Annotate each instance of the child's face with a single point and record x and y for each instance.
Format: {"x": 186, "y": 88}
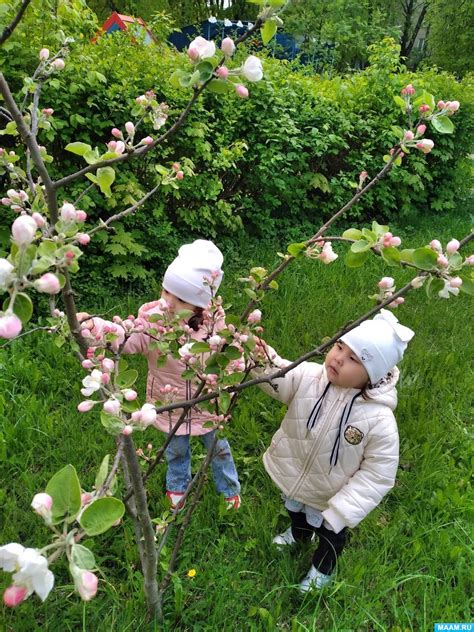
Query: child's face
{"x": 344, "y": 368}
{"x": 175, "y": 304}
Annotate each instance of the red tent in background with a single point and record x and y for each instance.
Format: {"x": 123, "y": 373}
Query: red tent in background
{"x": 119, "y": 22}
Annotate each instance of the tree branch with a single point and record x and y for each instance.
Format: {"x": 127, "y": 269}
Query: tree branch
{"x": 8, "y": 30}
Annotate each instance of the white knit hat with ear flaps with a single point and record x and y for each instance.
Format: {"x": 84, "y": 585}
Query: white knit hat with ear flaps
{"x": 379, "y": 343}
{"x": 185, "y": 276}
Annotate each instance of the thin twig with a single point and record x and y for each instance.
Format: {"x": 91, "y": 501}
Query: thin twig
{"x": 8, "y": 30}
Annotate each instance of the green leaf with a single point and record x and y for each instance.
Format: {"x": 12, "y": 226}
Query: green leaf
{"x": 113, "y": 425}
{"x": 83, "y": 557}
{"x": 105, "y": 177}
{"x": 352, "y": 233}
{"x": 443, "y": 124}
{"x": 356, "y": 259}
{"x": 23, "y": 307}
{"x": 100, "y": 515}
{"x": 391, "y": 256}
{"x": 379, "y": 229}
{"x": 433, "y": 286}
{"x": 268, "y": 30}
{"x": 92, "y": 156}
{"x": 407, "y": 255}
{"x": 177, "y": 77}
{"x": 296, "y": 249}
{"x": 78, "y": 148}
{"x": 251, "y": 293}
{"x": 205, "y": 69}
{"x": 467, "y": 285}
{"x": 126, "y": 379}
{"x": 224, "y": 402}
{"x": 200, "y": 347}
{"x": 360, "y": 246}
{"x": 369, "y": 235}
{"x": 424, "y": 258}
{"x": 400, "y": 102}
{"x": 23, "y": 259}
{"x": 232, "y": 353}
{"x": 102, "y": 473}
{"x": 65, "y": 490}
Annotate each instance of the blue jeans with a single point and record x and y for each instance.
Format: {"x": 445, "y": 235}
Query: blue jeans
{"x": 178, "y": 456}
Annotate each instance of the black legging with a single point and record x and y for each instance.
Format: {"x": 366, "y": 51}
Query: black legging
{"x": 330, "y": 546}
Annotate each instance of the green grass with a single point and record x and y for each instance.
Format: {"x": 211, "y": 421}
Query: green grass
{"x": 408, "y": 563}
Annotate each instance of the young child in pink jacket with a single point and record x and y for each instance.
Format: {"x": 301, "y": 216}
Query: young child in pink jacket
{"x": 335, "y": 455}
{"x": 185, "y": 287}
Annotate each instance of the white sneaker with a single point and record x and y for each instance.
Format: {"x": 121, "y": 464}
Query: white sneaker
{"x": 314, "y": 580}
{"x": 284, "y": 539}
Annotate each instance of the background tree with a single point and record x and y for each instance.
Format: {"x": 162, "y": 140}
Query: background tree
{"x": 451, "y": 35}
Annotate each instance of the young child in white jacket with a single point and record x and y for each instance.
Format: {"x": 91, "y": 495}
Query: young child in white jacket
{"x": 335, "y": 455}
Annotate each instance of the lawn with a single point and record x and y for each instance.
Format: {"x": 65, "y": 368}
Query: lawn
{"x": 408, "y": 563}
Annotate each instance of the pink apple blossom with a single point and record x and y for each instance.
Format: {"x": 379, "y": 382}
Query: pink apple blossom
{"x": 119, "y": 147}
{"x": 426, "y": 145}
{"x": 201, "y": 48}
{"x": 14, "y": 595}
{"x": 242, "y": 91}
{"x": 327, "y": 255}
{"x": 452, "y": 246}
{"x": 228, "y": 46}
{"x": 24, "y": 230}
{"x": 453, "y": 106}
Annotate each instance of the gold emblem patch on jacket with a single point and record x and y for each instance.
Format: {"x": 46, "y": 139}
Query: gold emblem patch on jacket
{"x": 353, "y": 435}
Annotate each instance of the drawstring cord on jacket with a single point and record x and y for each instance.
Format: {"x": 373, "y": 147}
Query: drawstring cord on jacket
{"x": 342, "y": 424}
{"x": 316, "y": 409}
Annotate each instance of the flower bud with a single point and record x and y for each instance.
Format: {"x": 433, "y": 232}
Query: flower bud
{"x": 424, "y": 108}
{"x": 469, "y": 260}
{"x": 452, "y": 246}
{"x": 83, "y": 238}
{"x": 127, "y": 430}
{"x": 10, "y": 325}
{"x": 420, "y": 130}
{"x": 417, "y": 282}
{"x": 6, "y": 201}
{"x": 81, "y": 216}
{"x": 129, "y": 394}
{"x": 42, "y": 504}
{"x": 86, "y": 405}
{"x": 44, "y": 54}
{"x": 222, "y": 72}
{"x": 14, "y": 596}
{"x": 116, "y": 132}
{"x": 119, "y": 147}
{"x": 442, "y": 261}
{"x": 426, "y": 145}
{"x": 242, "y": 91}
{"x": 39, "y": 219}
{"x": 255, "y": 316}
{"x": 441, "y": 105}
{"x": 108, "y": 364}
{"x": 48, "y": 283}
{"x": 228, "y": 46}
{"x": 130, "y": 128}
{"x": 68, "y": 212}
{"x": 112, "y": 406}
{"x": 455, "y": 282}
{"x": 86, "y": 584}
{"x": 193, "y": 53}
{"x": 453, "y": 106}
{"x": 409, "y": 135}
{"x": 58, "y": 63}
{"x": 386, "y": 282}
{"x": 48, "y": 111}
{"x": 24, "y": 230}
{"x": 146, "y": 141}
{"x": 179, "y": 175}
{"x": 435, "y": 244}
{"x": 87, "y": 364}
{"x": 395, "y": 241}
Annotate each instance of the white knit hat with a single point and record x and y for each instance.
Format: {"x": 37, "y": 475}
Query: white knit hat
{"x": 379, "y": 343}
{"x": 186, "y": 275}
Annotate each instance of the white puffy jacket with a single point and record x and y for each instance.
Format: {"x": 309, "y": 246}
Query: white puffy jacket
{"x": 299, "y": 459}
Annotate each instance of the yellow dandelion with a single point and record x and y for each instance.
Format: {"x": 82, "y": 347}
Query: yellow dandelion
{"x": 192, "y": 572}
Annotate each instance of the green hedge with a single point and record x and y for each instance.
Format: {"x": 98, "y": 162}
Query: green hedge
{"x": 278, "y": 162}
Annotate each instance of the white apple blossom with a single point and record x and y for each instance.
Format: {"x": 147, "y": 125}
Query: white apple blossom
{"x": 252, "y": 69}
{"x": 203, "y": 47}
{"x": 92, "y": 383}
{"x": 447, "y": 290}
{"x": 31, "y": 569}
{"x": 6, "y": 275}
